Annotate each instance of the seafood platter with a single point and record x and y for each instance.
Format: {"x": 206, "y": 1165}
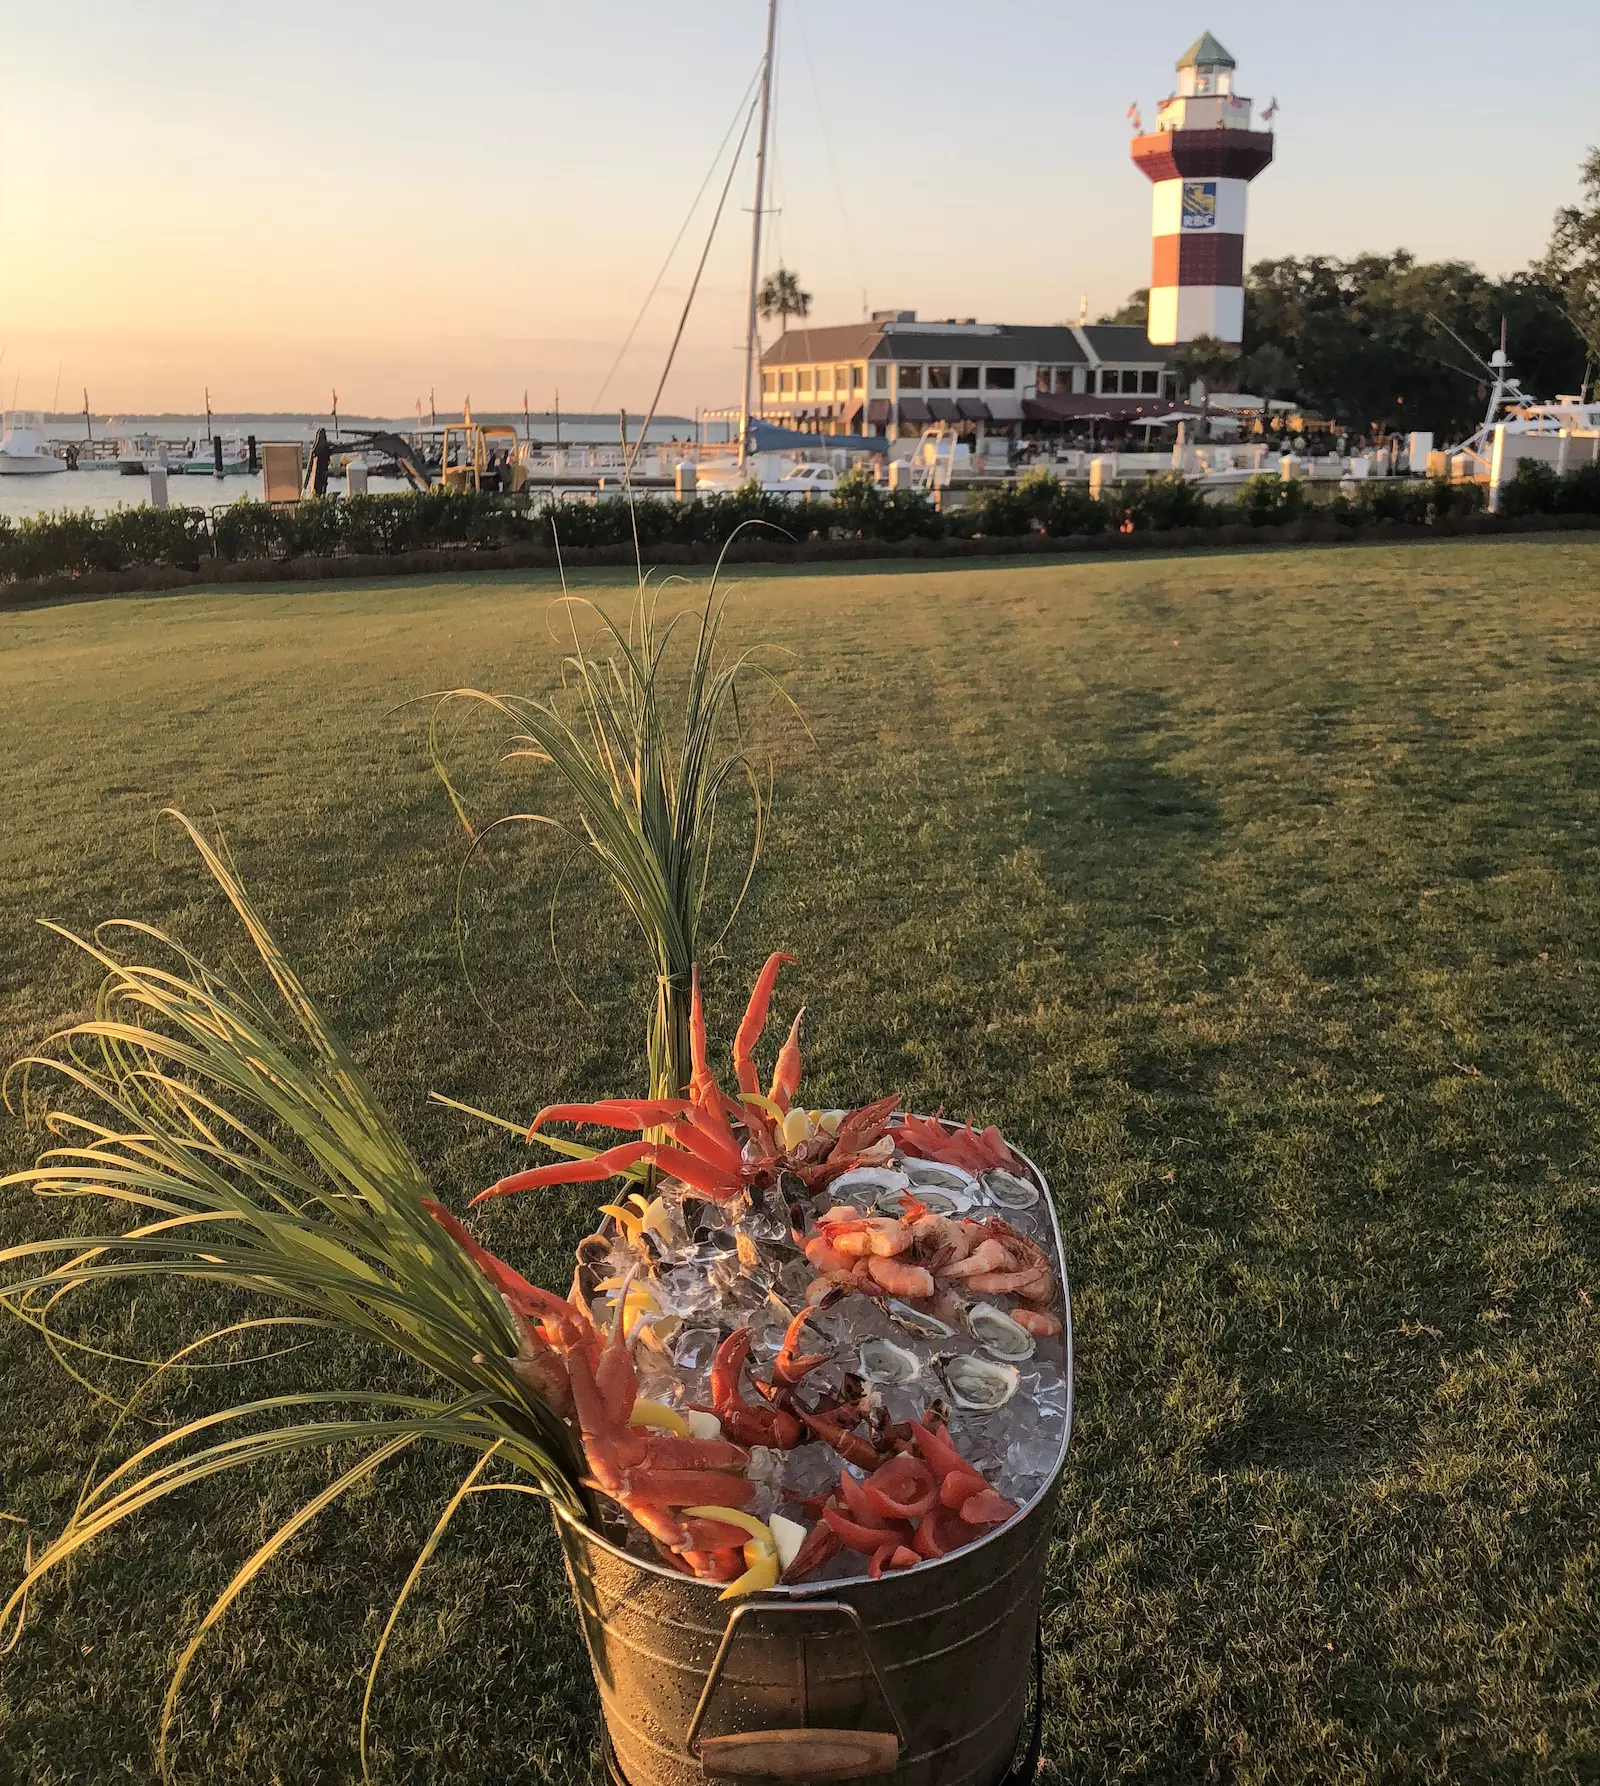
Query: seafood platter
{"x": 805, "y": 1345}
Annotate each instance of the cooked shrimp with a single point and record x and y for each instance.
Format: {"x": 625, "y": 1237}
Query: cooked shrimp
{"x": 822, "y": 1255}
{"x": 938, "y": 1237}
{"x": 1033, "y": 1285}
{"x": 991, "y": 1256}
{"x": 900, "y": 1278}
{"x": 1036, "y": 1322}
{"x": 880, "y": 1236}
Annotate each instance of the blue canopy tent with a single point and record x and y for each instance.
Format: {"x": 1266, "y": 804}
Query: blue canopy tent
{"x": 768, "y": 437}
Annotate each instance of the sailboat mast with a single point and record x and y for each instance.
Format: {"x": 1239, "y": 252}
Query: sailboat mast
{"x": 755, "y": 232}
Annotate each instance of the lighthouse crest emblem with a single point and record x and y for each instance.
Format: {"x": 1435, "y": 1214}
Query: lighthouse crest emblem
{"x": 1199, "y": 204}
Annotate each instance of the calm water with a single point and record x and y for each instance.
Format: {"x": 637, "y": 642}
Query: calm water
{"x": 100, "y": 489}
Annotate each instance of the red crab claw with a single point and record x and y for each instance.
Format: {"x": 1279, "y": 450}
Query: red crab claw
{"x": 786, "y": 1077}
{"x": 742, "y": 1423}
{"x": 786, "y": 1368}
{"x": 860, "y": 1128}
{"x": 849, "y": 1445}
{"x": 821, "y": 1543}
{"x": 755, "y": 1018}
{"x": 598, "y": 1166}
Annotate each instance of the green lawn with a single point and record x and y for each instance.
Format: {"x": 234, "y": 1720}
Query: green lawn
{"x": 1254, "y": 894}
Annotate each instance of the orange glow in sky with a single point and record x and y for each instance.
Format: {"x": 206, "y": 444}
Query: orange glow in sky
{"x": 474, "y": 199}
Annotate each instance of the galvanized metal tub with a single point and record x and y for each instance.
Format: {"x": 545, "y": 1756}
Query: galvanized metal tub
{"x": 920, "y": 1679}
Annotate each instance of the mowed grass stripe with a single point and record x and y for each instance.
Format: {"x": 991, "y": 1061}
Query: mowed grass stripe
{"x": 1254, "y": 894}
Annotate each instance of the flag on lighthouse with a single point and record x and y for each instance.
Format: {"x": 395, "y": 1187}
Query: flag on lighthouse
{"x": 1271, "y": 112}
{"x": 1132, "y": 115}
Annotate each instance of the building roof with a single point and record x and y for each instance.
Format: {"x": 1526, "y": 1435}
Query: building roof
{"x": 802, "y": 345}
{"x": 1206, "y": 52}
{"x": 1122, "y": 342}
{"x": 975, "y": 344}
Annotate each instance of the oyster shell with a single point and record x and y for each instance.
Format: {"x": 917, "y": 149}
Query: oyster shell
{"x": 1009, "y": 1191}
{"x": 882, "y": 1361}
{"x": 954, "y": 1181}
{"x": 916, "y": 1320}
{"x": 873, "y": 1182}
{"x": 998, "y": 1334}
{"x": 935, "y": 1202}
{"x": 979, "y": 1384}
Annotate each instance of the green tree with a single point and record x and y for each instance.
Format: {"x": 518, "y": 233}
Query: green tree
{"x": 1270, "y": 371}
{"x": 1135, "y": 309}
{"x": 1215, "y": 363}
{"x": 1571, "y": 264}
{"x": 780, "y": 296}
{"x": 1371, "y": 337}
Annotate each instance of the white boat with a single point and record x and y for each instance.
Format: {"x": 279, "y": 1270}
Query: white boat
{"x": 201, "y": 458}
{"x": 138, "y": 453}
{"x": 24, "y": 452}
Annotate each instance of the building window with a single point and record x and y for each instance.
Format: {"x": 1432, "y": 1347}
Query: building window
{"x": 825, "y": 381}
{"x": 1150, "y": 380}
{"x": 1110, "y": 381}
{"x": 880, "y": 378}
{"x": 805, "y": 380}
{"x": 841, "y": 379}
{"x": 910, "y": 378}
{"x": 1000, "y": 378}
{"x": 769, "y": 384}
{"x": 966, "y": 378}
{"x": 1063, "y": 378}
{"x": 858, "y": 378}
{"x": 1044, "y": 381}
{"x": 938, "y": 378}
{"x": 786, "y": 384}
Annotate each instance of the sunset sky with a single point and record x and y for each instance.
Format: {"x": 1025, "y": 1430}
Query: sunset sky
{"x": 276, "y": 200}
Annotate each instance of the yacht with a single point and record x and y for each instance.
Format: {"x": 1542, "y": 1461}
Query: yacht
{"x": 24, "y": 452}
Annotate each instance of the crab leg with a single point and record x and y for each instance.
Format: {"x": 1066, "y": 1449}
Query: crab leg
{"x": 711, "y": 1181}
{"x": 598, "y": 1166}
{"x": 613, "y": 1113}
{"x": 786, "y": 1078}
{"x": 755, "y": 1018}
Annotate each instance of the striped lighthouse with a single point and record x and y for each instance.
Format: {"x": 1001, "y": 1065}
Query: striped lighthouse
{"x": 1200, "y": 158}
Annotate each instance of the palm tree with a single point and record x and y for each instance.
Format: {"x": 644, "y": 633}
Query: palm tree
{"x": 780, "y": 296}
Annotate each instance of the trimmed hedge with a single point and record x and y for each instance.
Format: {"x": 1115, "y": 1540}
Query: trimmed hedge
{"x": 80, "y": 544}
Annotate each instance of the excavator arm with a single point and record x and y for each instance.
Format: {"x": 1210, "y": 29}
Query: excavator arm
{"x": 401, "y": 451}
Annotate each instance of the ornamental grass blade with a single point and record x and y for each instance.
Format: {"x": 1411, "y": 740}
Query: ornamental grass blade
{"x": 645, "y": 743}
{"x": 232, "y": 1140}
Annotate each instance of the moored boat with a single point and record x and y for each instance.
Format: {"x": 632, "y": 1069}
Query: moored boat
{"x": 24, "y": 451}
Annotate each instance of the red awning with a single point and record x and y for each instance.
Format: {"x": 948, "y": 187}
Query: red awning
{"x": 878, "y": 411}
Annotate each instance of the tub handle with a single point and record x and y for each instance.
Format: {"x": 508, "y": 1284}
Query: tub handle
{"x": 805, "y": 1753}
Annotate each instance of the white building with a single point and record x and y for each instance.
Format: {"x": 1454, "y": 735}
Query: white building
{"x": 897, "y": 374}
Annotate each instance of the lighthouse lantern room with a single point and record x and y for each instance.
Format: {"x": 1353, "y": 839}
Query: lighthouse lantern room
{"x": 1200, "y": 159}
